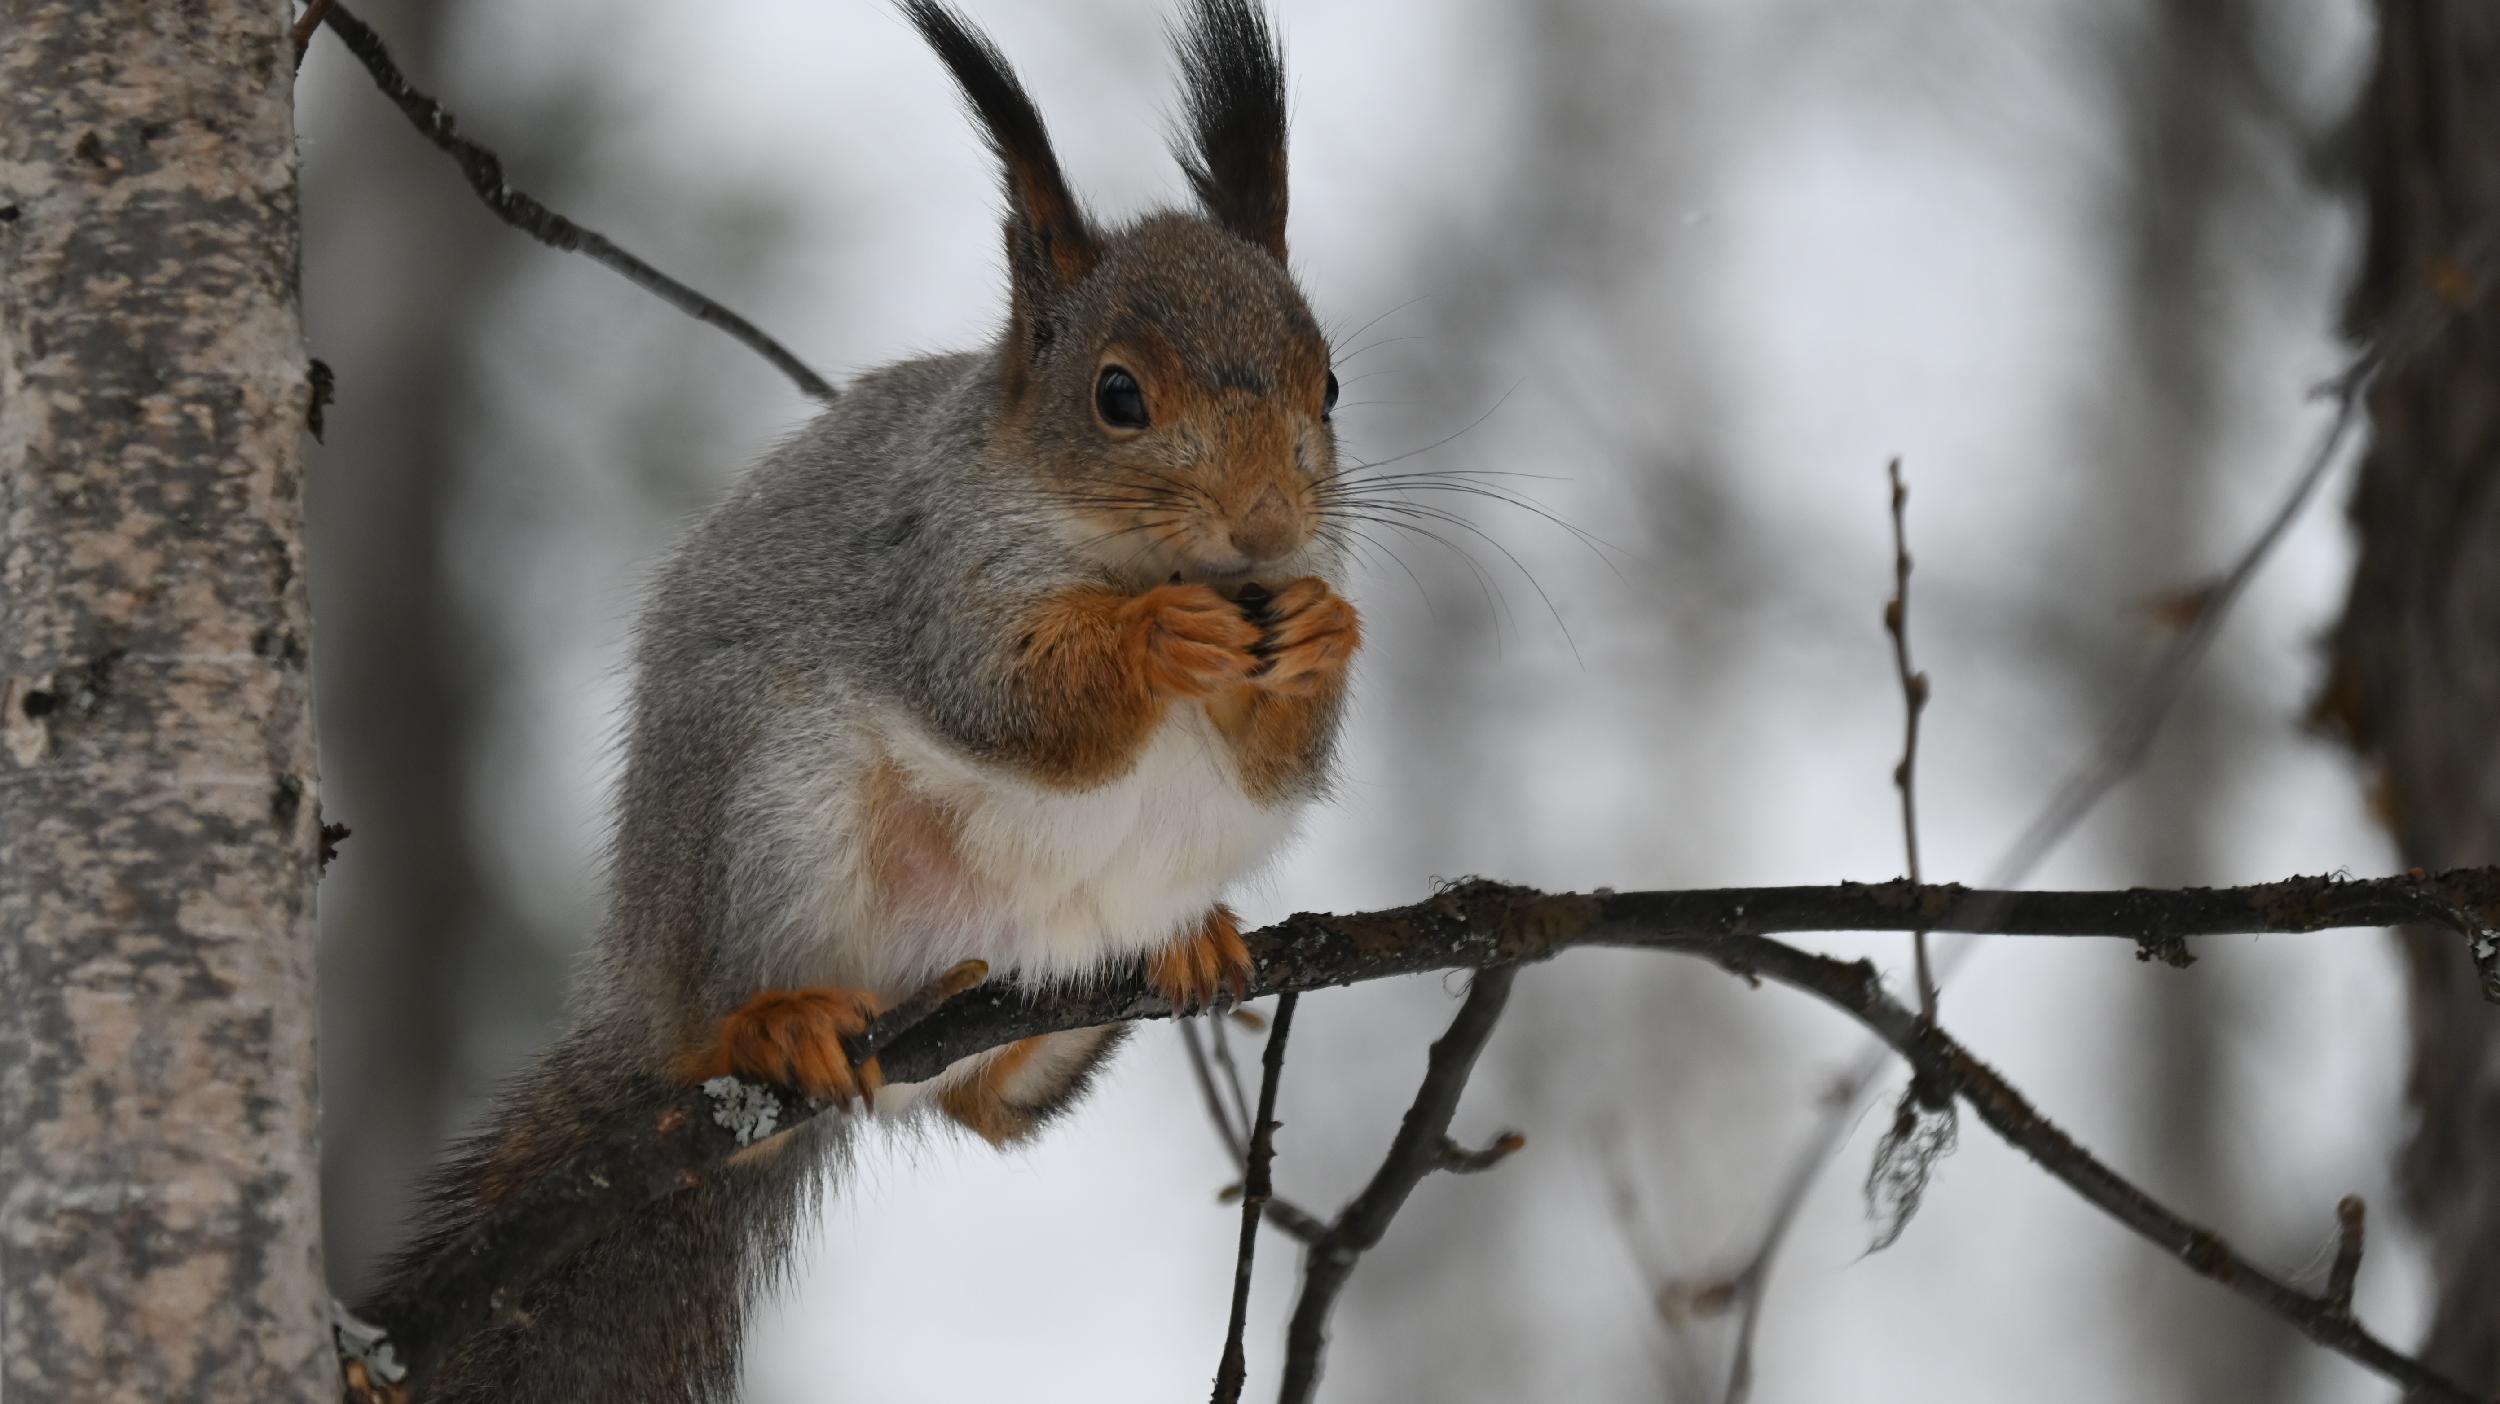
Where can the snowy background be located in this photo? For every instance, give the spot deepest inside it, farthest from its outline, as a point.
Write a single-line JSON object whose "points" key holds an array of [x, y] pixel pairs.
{"points": [[1702, 266]]}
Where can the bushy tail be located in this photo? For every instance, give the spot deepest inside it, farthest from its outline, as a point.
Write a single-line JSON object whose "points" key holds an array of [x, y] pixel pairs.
{"points": [[653, 1312]]}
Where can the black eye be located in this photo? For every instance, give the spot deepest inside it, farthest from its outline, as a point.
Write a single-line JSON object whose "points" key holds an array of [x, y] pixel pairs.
{"points": [[1328, 402], [1118, 400]]}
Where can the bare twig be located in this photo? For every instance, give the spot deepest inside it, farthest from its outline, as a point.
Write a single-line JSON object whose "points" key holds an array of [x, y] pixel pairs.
{"points": [[1220, 1042], [1282, 1214], [1256, 1187], [1468, 926], [2121, 749], [1459, 1160], [1857, 990], [2346, 1270], [1422, 1145], [305, 24], [484, 170], [1233, 1134], [1913, 706]]}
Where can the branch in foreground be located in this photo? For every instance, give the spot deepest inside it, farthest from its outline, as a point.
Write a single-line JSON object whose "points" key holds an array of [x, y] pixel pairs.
{"points": [[1256, 1186], [1469, 926], [484, 170], [1858, 991], [2121, 749], [1421, 1146], [1280, 1214]]}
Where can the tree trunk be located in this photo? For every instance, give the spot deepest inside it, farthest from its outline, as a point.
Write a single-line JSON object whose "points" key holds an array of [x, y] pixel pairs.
{"points": [[159, 821], [2417, 673]]}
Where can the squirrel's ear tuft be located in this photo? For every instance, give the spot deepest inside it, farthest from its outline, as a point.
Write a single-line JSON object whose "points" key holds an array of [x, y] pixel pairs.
{"points": [[1049, 243], [1233, 107]]}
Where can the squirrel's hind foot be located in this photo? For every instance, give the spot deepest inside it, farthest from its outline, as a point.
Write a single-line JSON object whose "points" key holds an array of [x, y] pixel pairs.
{"points": [[1192, 973], [798, 1039]]}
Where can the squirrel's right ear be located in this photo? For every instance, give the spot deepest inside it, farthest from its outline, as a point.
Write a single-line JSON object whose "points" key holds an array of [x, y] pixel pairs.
{"points": [[1232, 141], [1050, 246]]}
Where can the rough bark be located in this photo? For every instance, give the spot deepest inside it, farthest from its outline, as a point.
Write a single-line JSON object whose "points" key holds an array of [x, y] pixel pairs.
{"points": [[2417, 673], [158, 810]]}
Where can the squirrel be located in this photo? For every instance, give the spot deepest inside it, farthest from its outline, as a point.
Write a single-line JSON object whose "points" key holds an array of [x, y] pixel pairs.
{"points": [[1019, 655]]}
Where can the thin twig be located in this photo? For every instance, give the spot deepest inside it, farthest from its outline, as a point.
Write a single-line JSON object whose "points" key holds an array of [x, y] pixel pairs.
{"points": [[2346, 1270], [1231, 1133], [1467, 926], [305, 24], [1459, 1160], [1421, 1146], [1282, 1214], [484, 170], [1256, 1187], [1913, 706], [1856, 989], [1220, 1041], [2121, 749]]}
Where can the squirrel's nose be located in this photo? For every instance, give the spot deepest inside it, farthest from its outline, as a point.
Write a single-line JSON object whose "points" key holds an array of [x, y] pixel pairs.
{"points": [[1269, 529]]}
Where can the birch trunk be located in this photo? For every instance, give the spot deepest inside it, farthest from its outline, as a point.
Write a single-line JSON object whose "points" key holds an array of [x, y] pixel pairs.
{"points": [[158, 811]]}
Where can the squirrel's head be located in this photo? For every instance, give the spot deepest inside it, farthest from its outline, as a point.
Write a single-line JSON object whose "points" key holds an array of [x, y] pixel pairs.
{"points": [[1166, 382]]}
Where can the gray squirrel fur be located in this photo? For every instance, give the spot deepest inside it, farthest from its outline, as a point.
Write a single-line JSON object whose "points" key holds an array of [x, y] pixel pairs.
{"points": [[859, 612]]}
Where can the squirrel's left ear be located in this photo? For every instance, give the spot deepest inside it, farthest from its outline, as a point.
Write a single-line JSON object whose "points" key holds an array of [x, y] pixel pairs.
{"points": [[1233, 108]]}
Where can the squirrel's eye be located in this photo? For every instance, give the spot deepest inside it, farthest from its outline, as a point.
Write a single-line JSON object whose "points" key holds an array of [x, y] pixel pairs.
{"points": [[1118, 400], [1328, 401]]}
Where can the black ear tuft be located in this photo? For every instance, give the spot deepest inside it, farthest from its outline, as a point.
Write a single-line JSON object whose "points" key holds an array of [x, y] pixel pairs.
{"points": [[1233, 101], [1047, 229]]}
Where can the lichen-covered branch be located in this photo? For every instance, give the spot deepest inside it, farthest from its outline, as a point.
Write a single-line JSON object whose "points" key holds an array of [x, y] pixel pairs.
{"points": [[1473, 925], [159, 816]]}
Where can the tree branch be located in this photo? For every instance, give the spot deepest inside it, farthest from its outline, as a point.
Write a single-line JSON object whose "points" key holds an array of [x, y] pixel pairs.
{"points": [[1913, 707], [1421, 1146], [484, 170], [1475, 925], [1256, 1186]]}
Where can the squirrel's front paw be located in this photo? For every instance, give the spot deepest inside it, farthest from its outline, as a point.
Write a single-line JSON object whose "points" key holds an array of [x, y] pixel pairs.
{"points": [[794, 1038], [1191, 972], [1311, 634], [1196, 642]]}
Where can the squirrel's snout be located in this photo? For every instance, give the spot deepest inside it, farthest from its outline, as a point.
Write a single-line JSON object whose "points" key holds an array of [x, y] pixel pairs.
{"points": [[1271, 528]]}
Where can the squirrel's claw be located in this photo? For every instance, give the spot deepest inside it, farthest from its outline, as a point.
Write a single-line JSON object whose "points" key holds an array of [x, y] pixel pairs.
{"points": [[1310, 633], [1193, 972], [799, 1039]]}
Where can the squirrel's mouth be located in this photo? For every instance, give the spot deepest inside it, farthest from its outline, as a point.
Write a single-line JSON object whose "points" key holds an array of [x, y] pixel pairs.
{"points": [[1239, 586]]}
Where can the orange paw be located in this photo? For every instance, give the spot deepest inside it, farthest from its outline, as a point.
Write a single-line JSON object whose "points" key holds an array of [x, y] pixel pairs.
{"points": [[1311, 634], [1197, 643], [1192, 972], [794, 1038]]}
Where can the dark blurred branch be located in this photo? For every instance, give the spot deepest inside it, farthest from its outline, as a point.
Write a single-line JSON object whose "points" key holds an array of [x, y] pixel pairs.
{"points": [[1256, 1185], [1421, 1146], [484, 171], [1472, 925]]}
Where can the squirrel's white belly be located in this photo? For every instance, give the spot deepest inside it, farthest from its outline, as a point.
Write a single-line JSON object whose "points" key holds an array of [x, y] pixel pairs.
{"points": [[1048, 882]]}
